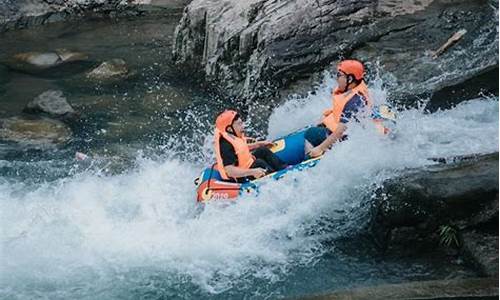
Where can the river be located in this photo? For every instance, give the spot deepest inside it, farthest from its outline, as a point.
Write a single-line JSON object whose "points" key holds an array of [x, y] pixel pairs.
{"points": [[124, 224]]}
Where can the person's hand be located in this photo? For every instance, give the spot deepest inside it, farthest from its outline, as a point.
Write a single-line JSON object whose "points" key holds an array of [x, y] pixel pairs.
{"points": [[266, 143], [257, 172], [315, 152], [326, 112]]}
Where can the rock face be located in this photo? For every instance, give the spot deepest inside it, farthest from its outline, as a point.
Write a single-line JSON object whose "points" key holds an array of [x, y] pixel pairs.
{"points": [[52, 103], [410, 210], [460, 192], [251, 49], [34, 132]]}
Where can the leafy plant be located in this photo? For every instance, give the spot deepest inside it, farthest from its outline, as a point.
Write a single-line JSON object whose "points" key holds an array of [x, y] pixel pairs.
{"points": [[448, 235]]}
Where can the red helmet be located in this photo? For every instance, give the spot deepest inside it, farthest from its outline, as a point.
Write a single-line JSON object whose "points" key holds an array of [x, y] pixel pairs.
{"points": [[352, 67], [225, 119]]}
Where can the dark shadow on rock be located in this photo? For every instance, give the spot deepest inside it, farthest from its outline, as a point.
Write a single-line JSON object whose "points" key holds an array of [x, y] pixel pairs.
{"points": [[483, 84]]}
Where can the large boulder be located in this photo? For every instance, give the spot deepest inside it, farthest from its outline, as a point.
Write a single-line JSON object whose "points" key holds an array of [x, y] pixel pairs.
{"points": [[53, 103], [251, 49], [463, 193], [34, 132]]}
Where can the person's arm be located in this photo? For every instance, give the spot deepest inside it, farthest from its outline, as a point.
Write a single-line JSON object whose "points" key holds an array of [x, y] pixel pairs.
{"points": [[329, 141], [256, 145], [230, 160], [350, 112], [237, 172]]}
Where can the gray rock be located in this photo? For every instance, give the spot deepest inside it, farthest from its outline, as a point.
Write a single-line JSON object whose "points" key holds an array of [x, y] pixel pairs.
{"points": [[458, 192], [36, 132], [70, 56], [115, 69], [470, 288], [251, 49], [52, 103], [40, 60], [482, 250], [15, 14]]}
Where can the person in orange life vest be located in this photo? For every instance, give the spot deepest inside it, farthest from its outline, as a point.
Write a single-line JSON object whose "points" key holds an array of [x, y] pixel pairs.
{"points": [[350, 99], [237, 159]]}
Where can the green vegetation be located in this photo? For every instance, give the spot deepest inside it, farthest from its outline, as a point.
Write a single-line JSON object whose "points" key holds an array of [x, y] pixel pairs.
{"points": [[448, 236]]}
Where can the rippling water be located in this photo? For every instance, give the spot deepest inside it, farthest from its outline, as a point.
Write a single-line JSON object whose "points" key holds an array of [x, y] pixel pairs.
{"points": [[125, 225]]}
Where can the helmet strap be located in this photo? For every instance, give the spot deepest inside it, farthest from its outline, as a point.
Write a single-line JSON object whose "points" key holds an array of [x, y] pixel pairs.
{"points": [[352, 82], [233, 132]]}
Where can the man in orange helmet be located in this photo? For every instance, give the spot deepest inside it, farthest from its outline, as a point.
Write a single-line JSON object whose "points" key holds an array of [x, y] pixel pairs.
{"points": [[236, 159], [349, 100]]}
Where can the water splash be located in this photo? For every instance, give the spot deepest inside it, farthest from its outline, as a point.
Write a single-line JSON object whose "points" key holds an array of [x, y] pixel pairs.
{"points": [[99, 229]]}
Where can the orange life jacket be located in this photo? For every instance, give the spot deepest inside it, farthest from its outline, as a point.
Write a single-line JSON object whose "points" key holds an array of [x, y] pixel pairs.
{"points": [[331, 117], [245, 157]]}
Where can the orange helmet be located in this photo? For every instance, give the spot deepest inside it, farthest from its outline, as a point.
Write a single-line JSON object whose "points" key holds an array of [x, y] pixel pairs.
{"points": [[225, 119], [352, 67]]}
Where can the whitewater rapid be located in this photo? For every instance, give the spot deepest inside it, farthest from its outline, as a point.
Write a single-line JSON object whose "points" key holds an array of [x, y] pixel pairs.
{"points": [[91, 228]]}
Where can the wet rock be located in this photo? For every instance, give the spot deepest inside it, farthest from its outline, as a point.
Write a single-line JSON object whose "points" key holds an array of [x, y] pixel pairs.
{"points": [[471, 288], [406, 55], [52, 103], [460, 192], [482, 250], [485, 84], [35, 62], [271, 44], [113, 70], [39, 60], [34, 132]]}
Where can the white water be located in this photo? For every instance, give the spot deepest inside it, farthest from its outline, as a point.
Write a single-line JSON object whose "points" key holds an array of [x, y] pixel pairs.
{"points": [[95, 226]]}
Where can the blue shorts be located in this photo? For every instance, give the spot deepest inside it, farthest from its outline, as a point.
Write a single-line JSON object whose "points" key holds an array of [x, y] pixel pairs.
{"points": [[316, 135]]}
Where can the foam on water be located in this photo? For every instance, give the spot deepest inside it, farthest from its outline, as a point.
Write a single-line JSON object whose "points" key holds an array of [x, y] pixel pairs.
{"points": [[102, 226]]}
